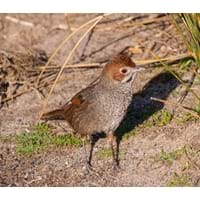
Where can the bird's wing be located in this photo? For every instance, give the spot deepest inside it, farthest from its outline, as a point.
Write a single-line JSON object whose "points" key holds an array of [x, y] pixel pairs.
{"points": [[82, 97], [76, 101]]}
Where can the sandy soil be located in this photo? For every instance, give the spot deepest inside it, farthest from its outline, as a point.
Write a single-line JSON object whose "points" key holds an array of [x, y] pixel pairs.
{"points": [[141, 161]]}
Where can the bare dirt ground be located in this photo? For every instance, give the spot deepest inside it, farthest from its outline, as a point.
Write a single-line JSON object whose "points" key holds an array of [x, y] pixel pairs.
{"points": [[155, 151]]}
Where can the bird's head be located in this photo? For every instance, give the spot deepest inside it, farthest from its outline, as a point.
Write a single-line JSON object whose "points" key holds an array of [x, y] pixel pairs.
{"points": [[120, 70]]}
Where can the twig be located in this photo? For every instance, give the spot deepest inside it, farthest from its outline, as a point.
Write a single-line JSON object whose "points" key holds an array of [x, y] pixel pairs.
{"points": [[17, 21], [144, 22], [30, 90], [150, 21], [73, 66], [190, 110], [66, 61], [149, 48], [65, 40], [169, 60]]}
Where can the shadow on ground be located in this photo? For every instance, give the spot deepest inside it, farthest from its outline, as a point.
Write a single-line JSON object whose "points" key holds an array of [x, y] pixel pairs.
{"points": [[142, 107]]}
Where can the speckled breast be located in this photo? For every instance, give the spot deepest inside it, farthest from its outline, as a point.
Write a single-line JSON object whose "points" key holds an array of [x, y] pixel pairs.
{"points": [[104, 114]]}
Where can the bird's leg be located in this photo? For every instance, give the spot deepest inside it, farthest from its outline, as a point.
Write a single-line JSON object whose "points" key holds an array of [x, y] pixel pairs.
{"points": [[92, 143], [88, 163], [117, 151], [110, 139], [84, 149]]}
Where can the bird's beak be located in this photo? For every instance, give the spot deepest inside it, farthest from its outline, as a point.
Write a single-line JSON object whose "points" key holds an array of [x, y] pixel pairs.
{"points": [[132, 76], [134, 73], [139, 69]]}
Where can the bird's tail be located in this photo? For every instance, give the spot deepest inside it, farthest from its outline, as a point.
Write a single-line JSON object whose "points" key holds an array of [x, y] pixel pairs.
{"points": [[54, 115]]}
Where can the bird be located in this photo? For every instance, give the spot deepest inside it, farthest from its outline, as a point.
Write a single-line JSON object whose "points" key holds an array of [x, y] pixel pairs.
{"points": [[102, 105]]}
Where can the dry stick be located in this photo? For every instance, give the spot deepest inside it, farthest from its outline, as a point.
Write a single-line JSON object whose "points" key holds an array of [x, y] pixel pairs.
{"points": [[139, 62], [66, 61], [30, 90], [64, 41], [144, 22], [190, 110], [16, 95], [149, 21], [54, 68], [46, 83], [73, 66], [168, 60], [18, 21]]}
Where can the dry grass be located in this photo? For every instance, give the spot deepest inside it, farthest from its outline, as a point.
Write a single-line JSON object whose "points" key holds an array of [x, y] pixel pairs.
{"points": [[96, 21]]}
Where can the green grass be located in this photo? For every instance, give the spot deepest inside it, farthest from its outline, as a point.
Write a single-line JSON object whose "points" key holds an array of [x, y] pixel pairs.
{"points": [[197, 80], [41, 138], [160, 118], [197, 107], [169, 157], [185, 117], [104, 153], [107, 153], [179, 181], [185, 64], [130, 134], [188, 27]]}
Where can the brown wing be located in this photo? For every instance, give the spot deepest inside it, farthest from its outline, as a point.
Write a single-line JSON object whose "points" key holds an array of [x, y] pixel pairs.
{"points": [[65, 112], [81, 97], [78, 104], [73, 107], [76, 101]]}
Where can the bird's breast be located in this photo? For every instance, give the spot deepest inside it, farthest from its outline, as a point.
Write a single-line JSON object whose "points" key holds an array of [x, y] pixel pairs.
{"points": [[103, 114]]}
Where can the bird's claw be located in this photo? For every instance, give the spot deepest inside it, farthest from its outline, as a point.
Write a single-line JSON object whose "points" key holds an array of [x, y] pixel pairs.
{"points": [[115, 166]]}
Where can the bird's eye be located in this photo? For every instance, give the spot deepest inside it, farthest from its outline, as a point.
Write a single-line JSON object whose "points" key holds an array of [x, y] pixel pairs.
{"points": [[124, 71]]}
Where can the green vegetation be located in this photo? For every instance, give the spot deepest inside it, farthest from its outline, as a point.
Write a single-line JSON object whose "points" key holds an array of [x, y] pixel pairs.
{"points": [[160, 118], [178, 181], [169, 157], [130, 134], [197, 108], [188, 26], [41, 138], [184, 117], [105, 153], [197, 80], [185, 64]]}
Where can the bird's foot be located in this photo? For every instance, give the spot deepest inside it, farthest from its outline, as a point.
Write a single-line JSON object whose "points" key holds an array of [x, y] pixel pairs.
{"points": [[115, 166], [88, 168]]}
